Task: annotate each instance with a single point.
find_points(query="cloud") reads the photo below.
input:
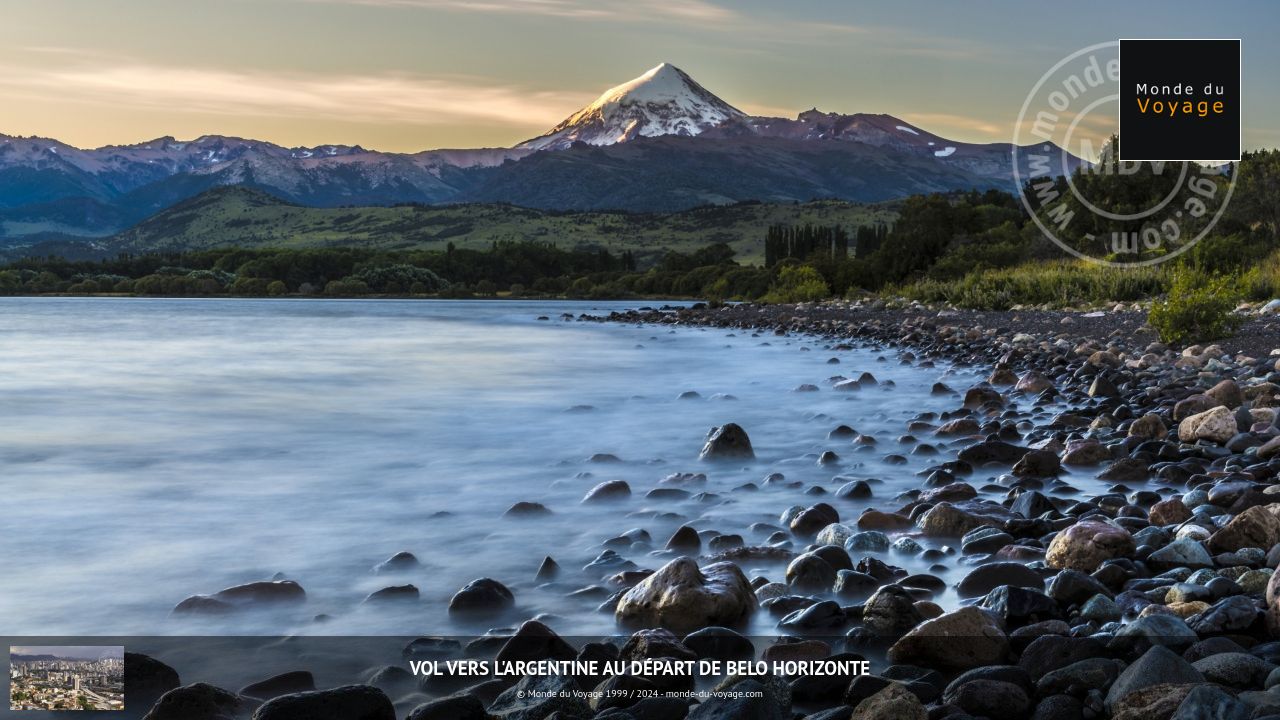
(384, 98)
(934, 121)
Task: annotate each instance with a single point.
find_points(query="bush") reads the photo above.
(276, 288)
(798, 283)
(1197, 308)
(346, 287)
(398, 278)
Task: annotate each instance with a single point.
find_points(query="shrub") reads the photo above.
(1197, 308)
(276, 288)
(798, 283)
(346, 287)
(398, 277)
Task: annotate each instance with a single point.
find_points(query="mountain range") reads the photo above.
(658, 143)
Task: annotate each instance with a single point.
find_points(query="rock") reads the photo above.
(608, 491)
(810, 573)
(825, 615)
(1059, 707)
(727, 442)
(1031, 503)
(685, 539)
(809, 521)
(867, 541)
(282, 684)
(1047, 653)
(1256, 527)
(254, 594)
(1100, 609)
(1236, 669)
(992, 451)
(890, 612)
(1181, 553)
(199, 701)
(1156, 629)
(1038, 463)
(535, 641)
(985, 578)
(400, 562)
(1169, 512)
(351, 702)
(1230, 614)
(147, 679)
(946, 520)
(854, 585)
(682, 597)
(1148, 427)
(719, 643)
(1086, 544)
(1207, 702)
(747, 698)
(393, 593)
(878, 520)
(834, 534)
(540, 696)
(1226, 393)
(1217, 425)
(894, 702)
(527, 509)
(1103, 387)
(993, 699)
(960, 426)
(1157, 666)
(457, 707)
(958, 640)
(1157, 702)
(1072, 587)
(484, 596)
(1085, 452)
(1080, 677)
(1033, 383)
(1017, 606)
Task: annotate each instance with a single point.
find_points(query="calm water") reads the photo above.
(155, 449)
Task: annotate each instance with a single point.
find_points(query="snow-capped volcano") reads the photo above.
(663, 101)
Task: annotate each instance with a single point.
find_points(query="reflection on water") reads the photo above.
(155, 449)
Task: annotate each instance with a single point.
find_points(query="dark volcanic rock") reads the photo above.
(727, 442)
(482, 597)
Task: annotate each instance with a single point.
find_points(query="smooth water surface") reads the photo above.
(156, 449)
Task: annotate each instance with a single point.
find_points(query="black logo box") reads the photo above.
(1187, 64)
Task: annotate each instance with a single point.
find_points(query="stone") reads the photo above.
(198, 701)
(946, 520)
(1085, 452)
(810, 573)
(1217, 425)
(147, 679)
(1181, 553)
(1157, 666)
(1047, 653)
(1157, 702)
(809, 521)
(1085, 545)
(537, 697)
(834, 534)
(995, 699)
(1169, 512)
(254, 594)
(1079, 677)
(1038, 463)
(1235, 669)
(890, 612)
(1207, 702)
(681, 596)
(958, 640)
(1256, 527)
(1033, 383)
(894, 702)
(727, 442)
(985, 578)
(608, 491)
(1148, 427)
(747, 698)
(535, 641)
(1072, 587)
(457, 707)
(484, 596)
(350, 702)
(1226, 393)
(719, 643)
(1017, 606)
(282, 684)
(1100, 609)
(400, 562)
(992, 452)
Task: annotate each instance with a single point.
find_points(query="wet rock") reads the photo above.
(810, 573)
(199, 701)
(682, 597)
(527, 509)
(540, 696)
(1156, 701)
(1228, 615)
(960, 426)
(535, 641)
(1169, 512)
(1156, 629)
(484, 596)
(146, 679)
(282, 684)
(879, 520)
(548, 570)
(985, 578)
(947, 520)
(1148, 427)
(979, 395)
(826, 615)
(457, 707)
(894, 702)
(992, 452)
(1038, 464)
(1226, 393)
(1256, 527)
(351, 702)
(1181, 553)
(812, 519)
(685, 539)
(400, 562)
(1086, 544)
(890, 612)
(1208, 702)
(1072, 587)
(854, 585)
(727, 442)
(1033, 383)
(1100, 609)
(834, 534)
(1047, 653)
(1080, 677)
(1085, 452)
(1017, 606)
(1157, 666)
(1235, 669)
(993, 699)
(867, 541)
(958, 640)
(982, 540)
(610, 490)
(1217, 425)
(393, 593)
(719, 643)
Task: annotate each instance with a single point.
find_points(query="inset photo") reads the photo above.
(66, 677)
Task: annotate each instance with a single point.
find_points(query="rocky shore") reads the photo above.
(1150, 595)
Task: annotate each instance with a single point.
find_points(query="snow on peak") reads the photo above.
(663, 101)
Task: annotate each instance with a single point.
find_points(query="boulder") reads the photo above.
(540, 696)
(484, 596)
(283, 684)
(199, 701)
(682, 597)
(985, 578)
(1169, 512)
(1256, 527)
(146, 679)
(1085, 545)
(1217, 425)
(890, 612)
(1148, 427)
(894, 702)
(457, 707)
(1157, 666)
(727, 442)
(958, 640)
(608, 491)
(947, 520)
(351, 702)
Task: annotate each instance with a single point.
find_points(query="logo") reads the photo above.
(1080, 193)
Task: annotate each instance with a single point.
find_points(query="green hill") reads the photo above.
(243, 217)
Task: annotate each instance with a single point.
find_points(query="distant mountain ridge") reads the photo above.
(658, 143)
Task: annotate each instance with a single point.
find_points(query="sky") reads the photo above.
(70, 652)
(410, 75)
